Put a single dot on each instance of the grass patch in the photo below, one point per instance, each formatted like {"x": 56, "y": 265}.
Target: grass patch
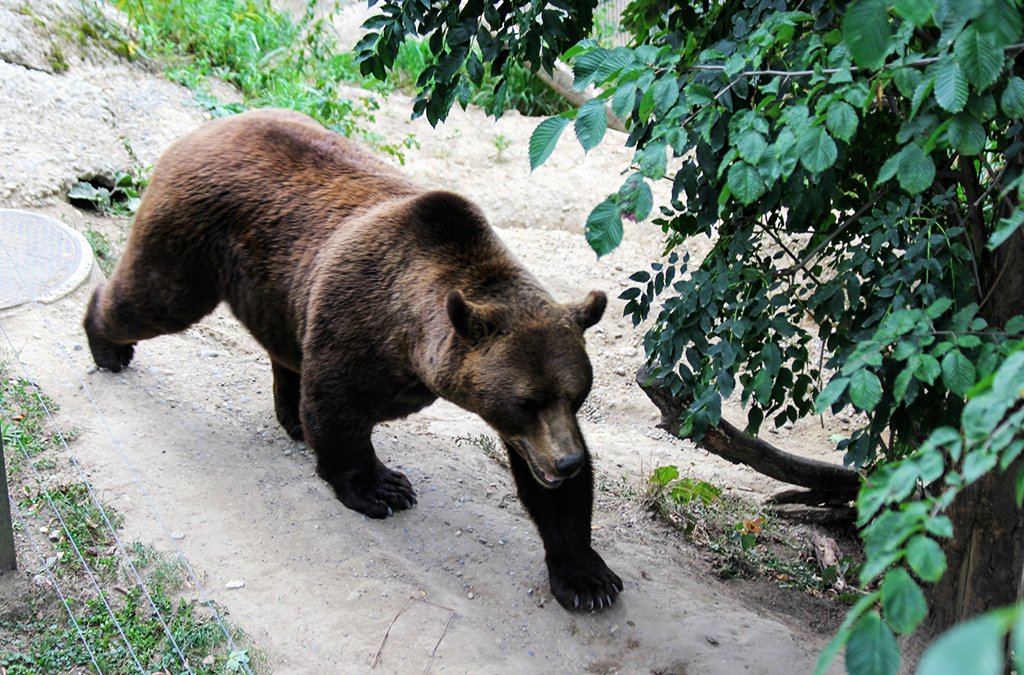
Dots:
{"x": 64, "y": 521}
{"x": 272, "y": 59}
{"x": 102, "y": 251}
{"x": 488, "y": 445}
{"x": 23, "y": 423}
{"x": 747, "y": 538}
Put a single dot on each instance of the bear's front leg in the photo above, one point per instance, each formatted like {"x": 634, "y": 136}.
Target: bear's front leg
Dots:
{"x": 579, "y": 577}
{"x": 345, "y": 458}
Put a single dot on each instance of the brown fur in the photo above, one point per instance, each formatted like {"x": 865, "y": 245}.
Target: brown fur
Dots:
{"x": 373, "y": 298}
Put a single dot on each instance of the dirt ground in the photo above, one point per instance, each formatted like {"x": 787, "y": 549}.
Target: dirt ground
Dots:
{"x": 185, "y": 445}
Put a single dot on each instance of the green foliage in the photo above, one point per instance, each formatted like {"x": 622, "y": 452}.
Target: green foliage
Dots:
{"x": 501, "y": 144}
{"x": 858, "y": 169}
{"x": 273, "y": 60}
{"x": 36, "y": 634}
{"x": 463, "y": 39}
{"x": 101, "y": 250}
{"x": 684, "y": 490}
{"x": 121, "y": 196}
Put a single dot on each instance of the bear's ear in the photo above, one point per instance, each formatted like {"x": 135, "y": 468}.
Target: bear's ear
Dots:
{"x": 472, "y": 320}
{"x": 589, "y": 311}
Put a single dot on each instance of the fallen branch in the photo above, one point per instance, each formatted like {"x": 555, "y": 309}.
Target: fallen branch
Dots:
{"x": 732, "y": 444}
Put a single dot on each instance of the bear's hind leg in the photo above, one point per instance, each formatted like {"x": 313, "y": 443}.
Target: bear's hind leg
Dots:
{"x": 287, "y": 388}
{"x": 579, "y": 577}
{"x": 122, "y": 313}
{"x": 105, "y": 353}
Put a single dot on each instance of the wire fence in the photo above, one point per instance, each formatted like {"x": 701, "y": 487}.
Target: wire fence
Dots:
{"x": 122, "y": 552}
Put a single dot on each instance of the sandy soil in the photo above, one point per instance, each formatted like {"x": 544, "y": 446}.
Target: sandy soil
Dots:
{"x": 185, "y": 440}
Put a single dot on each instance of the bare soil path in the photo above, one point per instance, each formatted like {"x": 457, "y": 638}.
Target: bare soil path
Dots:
{"x": 185, "y": 440}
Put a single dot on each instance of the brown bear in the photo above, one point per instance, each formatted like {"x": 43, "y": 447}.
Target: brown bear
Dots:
{"x": 373, "y": 298}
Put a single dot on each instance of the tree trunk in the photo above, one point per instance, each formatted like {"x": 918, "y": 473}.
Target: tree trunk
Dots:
{"x": 986, "y": 555}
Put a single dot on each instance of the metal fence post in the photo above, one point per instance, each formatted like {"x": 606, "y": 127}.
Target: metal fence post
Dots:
{"x": 7, "y": 558}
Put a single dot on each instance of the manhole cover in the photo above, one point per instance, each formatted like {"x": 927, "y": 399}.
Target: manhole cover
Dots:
{"x": 41, "y": 259}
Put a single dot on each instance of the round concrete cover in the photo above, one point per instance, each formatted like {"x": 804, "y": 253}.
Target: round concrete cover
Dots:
{"x": 41, "y": 259}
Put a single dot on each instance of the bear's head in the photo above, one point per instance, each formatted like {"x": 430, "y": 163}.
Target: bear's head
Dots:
{"x": 525, "y": 371}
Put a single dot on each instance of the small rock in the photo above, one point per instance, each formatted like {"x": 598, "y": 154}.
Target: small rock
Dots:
{"x": 177, "y": 535}
{"x": 233, "y": 584}
{"x": 209, "y": 353}
{"x": 627, "y": 351}
{"x": 209, "y": 660}
{"x": 620, "y": 371}
{"x": 470, "y": 595}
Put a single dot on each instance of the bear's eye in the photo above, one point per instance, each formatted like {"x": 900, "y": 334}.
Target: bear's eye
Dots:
{"x": 530, "y": 405}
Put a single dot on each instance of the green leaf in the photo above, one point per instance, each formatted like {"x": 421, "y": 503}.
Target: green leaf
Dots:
{"x": 751, "y": 146}
{"x": 916, "y": 11}
{"x": 646, "y": 104}
{"x": 916, "y": 170}
{"x": 830, "y": 394}
{"x": 950, "y": 86}
{"x": 84, "y": 191}
{"x": 1017, "y": 642}
{"x": 979, "y": 56}
{"x": 841, "y": 120}
{"x": 544, "y": 139}
{"x": 1006, "y": 227}
{"x": 653, "y": 161}
{"x": 1001, "y": 20}
{"x": 902, "y": 601}
{"x": 666, "y": 93}
{"x": 966, "y": 134}
{"x": 925, "y": 557}
{"x": 745, "y": 182}
{"x": 585, "y": 69}
{"x": 635, "y": 198}
{"x": 763, "y": 384}
{"x": 843, "y": 634}
{"x": 1012, "y": 100}
{"x": 872, "y": 649}
{"x": 604, "y": 228}
{"x": 817, "y": 149}
{"x": 958, "y": 373}
{"x": 664, "y": 475}
{"x": 888, "y": 170}
{"x": 591, "y": 123}
{"x": 974, "y": 647}
{"x": 865, "y": 389}
{"x": 624, "y": 99}
{"x": 866, "y": 32}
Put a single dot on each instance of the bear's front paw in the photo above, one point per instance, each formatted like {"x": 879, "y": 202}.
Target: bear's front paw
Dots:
{"x": 583, "y": 581}
{"x": 378, "y": 495}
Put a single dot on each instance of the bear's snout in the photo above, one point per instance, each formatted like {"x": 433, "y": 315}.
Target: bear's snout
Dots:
{"x": 570, "y": 465}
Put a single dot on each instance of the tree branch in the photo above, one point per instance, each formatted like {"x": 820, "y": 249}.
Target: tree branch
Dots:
{"x": 732, "y": 444}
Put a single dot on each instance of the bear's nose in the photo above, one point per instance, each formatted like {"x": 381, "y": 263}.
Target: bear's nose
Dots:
{"x": 570, "y": 464}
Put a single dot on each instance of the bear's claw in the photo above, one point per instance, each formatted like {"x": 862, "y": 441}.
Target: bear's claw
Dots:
{"x": 584, "y": 582}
